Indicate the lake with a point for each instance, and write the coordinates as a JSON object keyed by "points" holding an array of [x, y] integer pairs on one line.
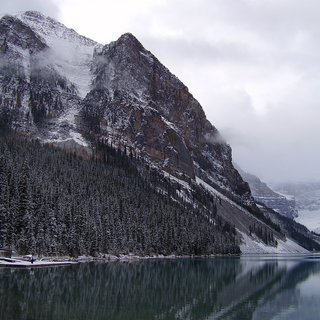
{"points": [[250, 287]]}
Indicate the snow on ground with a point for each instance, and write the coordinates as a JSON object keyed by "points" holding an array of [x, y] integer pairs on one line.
{"points": [[67, 129], [74, 136], [184, 196], [148, 55], [250, 245], [8, 262], [181, 182], [77, 137], [171, 125], [310, 219], [69, 118], [253, 246], [185, 187], [220, 195]]}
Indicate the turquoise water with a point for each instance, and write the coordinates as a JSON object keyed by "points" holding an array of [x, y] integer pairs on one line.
{"points": [[256, 287]]}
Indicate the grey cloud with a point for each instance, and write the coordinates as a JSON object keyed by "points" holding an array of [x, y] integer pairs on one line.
{"points": [[243, 51], [16, 6], [213, 139], [197, 50], [282, 145]]}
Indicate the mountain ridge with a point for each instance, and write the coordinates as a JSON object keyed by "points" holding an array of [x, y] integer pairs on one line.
{"points": [[143, 79], [78, 94], [262, 193], [179, 139]]}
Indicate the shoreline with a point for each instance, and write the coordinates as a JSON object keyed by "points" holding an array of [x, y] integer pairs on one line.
{"points": [[56, 261], [36, 264], [52, 261]]}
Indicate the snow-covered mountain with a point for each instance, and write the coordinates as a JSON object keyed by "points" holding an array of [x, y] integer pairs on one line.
{"points": [[70, 54], [45, 71], [63, 88], [262, 193], [120, 92], [307, 197]]}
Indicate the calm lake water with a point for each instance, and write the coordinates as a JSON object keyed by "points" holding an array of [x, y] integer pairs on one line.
{"points": [[256, 287]]}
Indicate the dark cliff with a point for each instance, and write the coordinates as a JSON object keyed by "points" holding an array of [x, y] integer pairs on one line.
{"points": [[136, 100]]}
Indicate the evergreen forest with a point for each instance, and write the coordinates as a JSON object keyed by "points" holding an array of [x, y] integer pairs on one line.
{"points": [[54, 202]]}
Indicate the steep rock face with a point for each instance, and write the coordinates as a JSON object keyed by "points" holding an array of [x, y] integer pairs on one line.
{"points": [[16, 33], [262, 193], [36, 97], [49, 73], [18, 46], [30, 89], [122, 119], [148, 108], [70, 54]]}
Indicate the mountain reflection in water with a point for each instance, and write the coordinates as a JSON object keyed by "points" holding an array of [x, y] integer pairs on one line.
{"points": [[256, 287]]}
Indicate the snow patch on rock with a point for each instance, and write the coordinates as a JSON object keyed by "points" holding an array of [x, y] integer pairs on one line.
{"points": [[70, 53]]}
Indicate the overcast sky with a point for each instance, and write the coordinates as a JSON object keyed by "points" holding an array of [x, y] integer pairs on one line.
{"points": [[252, 64]]}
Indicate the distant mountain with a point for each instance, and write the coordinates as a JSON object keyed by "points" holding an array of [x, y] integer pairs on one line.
{"points": [[307, 196], [66, 90], [281, 209], [262, 193]]}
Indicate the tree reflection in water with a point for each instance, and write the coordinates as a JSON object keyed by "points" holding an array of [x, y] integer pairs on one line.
{"points": [[227, 288]]}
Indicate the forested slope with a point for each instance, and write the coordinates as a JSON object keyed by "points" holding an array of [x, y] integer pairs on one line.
{"points": [[53, 202]]}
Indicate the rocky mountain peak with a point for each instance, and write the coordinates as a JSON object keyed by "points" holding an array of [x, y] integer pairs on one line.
{"points": [[16, 33], [121, 92], [155, 112], [36, 15], [51, 29], [132, 60], [129, 40]]}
